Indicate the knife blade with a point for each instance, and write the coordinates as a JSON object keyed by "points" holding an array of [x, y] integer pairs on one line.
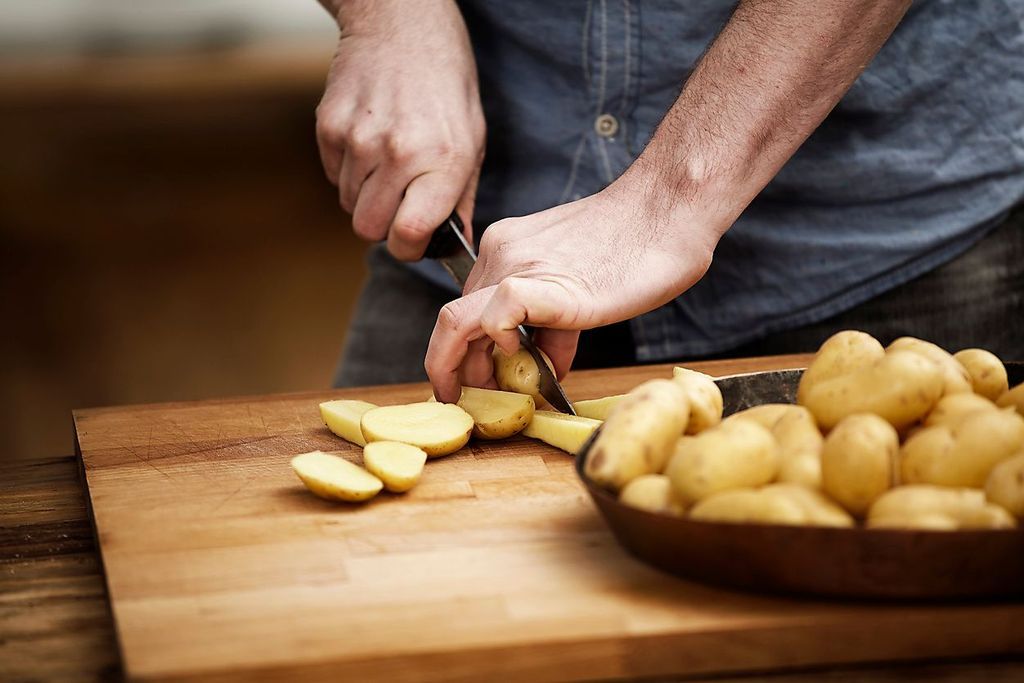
{"points": [[448, 246]]}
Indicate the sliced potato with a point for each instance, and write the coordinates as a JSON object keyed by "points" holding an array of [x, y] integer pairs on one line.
{"points": [[654, 493], [597, 408], [335, 478], [737, 454], [858, 460], [519, 373], [496, 414], [704, 396], [568, 432], [398, 465], [1005, 485], [987, 372], [342, 418], [840, 354], [1014, 398], [924, 506], [955, 378], [437, 428]]}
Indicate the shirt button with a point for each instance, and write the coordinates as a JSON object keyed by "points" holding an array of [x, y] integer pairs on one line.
{"points": [[606, 125]]}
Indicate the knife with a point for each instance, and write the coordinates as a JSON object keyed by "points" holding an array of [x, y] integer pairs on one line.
{"points": [[448, 245]]}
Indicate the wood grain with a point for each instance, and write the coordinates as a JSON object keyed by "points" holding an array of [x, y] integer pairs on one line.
{"points": [[219, 564]]}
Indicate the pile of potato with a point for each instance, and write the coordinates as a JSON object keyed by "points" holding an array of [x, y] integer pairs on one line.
{"points": [[907, 436]]}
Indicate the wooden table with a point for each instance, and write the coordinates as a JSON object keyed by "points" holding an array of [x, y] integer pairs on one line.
{"points": [[55, 622]]}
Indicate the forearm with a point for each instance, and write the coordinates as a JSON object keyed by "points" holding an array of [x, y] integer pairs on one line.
{"points": [[768, 80]]}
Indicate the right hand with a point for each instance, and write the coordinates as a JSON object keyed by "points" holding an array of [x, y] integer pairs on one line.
{"points": [[400, 126]]}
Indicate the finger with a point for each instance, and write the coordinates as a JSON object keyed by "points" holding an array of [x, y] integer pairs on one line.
{"points": [[355, 169], [458, 324], [560, 345], [376, 204], [467, 204], [429, 199], [522, 300], [477, 369]]}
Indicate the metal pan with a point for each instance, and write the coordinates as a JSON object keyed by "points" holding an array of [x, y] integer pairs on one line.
{"points": [[844, 563]]}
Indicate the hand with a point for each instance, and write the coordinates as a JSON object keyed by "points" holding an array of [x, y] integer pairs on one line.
{"points": [[400, 126], [593, 262]]}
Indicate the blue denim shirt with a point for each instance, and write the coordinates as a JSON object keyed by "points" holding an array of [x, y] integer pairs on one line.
{"points": [[922, 156]]}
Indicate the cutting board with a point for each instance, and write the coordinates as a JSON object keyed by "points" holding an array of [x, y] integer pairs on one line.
{"points": [[220, 565]]}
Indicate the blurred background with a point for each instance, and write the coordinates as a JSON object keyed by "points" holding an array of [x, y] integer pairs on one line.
{"points": [[166, 231]]}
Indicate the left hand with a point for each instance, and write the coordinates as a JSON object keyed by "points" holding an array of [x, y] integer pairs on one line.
{"points": [[593, 262]]}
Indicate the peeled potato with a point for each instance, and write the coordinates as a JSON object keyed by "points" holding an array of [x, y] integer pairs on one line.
{"points": [[342, 418], [955, 379], [1013, 398], [733, 455], [704, 396], [335, 478], [1005, 485], [437, 428], [953, 407], [496, 414], [597, 408], [568, 432], [652, 492], [937, 508], [519, 373], [857, 461], [840, 354], [987, 372], [398, 465]]}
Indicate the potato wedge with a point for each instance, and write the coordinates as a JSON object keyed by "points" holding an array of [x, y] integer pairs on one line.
{"points": [[937, 508], [987, 372], [840, 354], [597, 408], [335, 478], [1005, 485], [654, 493], [519, 373], [342, 418], [858, 461], [496, 414], [733, 455], [437, 428], [1013, 398], [704, 396], [567, 432], [955, 378], [398, 465]]}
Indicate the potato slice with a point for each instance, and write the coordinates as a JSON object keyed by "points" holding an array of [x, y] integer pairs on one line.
{"points": [[597, 408], [342, 418], [987, 372], [568, 432], [398, 465], [496, 414], [335, 478], [437, 428]]}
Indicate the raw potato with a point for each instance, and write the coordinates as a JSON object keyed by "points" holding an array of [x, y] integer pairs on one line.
{"points": [[798, 436], [952, 408], [335, 478], [1013, 398], [937, 508], [398, 465], [818, 510], [639, 435], [740, 506], [342, 418], [704, 396], [987, 372], [1005, 485], [733, 455], [955, 379], [654, 493], [597, 408], [437, 428], [962, 453], [496, 414], [568, 432], [857, 461], [840, 354], [519, 373], [901, 387]]}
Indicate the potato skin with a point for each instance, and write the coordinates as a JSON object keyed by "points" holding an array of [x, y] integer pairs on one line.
{"points": [[987, 372], [962, 453], [798, 436], [901, 387], [950, 409], [519, 372], [654, 493], [747, 505], [840, 354], [857, 461], [955, 379], [732, 455], [1005, 485], [1014, 398], [818, 509], [705, 399], [639, 435], [496, 414], [937, 508]]}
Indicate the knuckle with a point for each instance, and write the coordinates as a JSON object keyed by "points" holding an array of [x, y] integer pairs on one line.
{"points": [[411, 228], [449, 318], [497, 241], [361, 140]]}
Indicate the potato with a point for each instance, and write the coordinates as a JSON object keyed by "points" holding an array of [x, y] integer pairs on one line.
{"points": [[335, 478], [639, 435], [987, 372], [747, 505], [1013, 398], [597, 408], [652, 492], [704, 396], [951, 408], [962, 453], [568, 432], [1005, 485], [840, 354], [733, 455], [798, 437], [955, 379], [818, 510], [901, 387], [342, 418], [437, 428], [937, 508], [496, 414], [398, 465], [857, 461], [519, 373]]}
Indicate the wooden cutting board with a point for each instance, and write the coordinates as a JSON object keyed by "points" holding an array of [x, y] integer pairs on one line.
{"points": [[220, 565]]}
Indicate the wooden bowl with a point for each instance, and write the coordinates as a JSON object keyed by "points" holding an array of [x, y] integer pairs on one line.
{"points": [[821, 561]]}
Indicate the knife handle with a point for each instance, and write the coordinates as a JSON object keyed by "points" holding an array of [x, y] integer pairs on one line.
{"points": [[448, 239]]}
